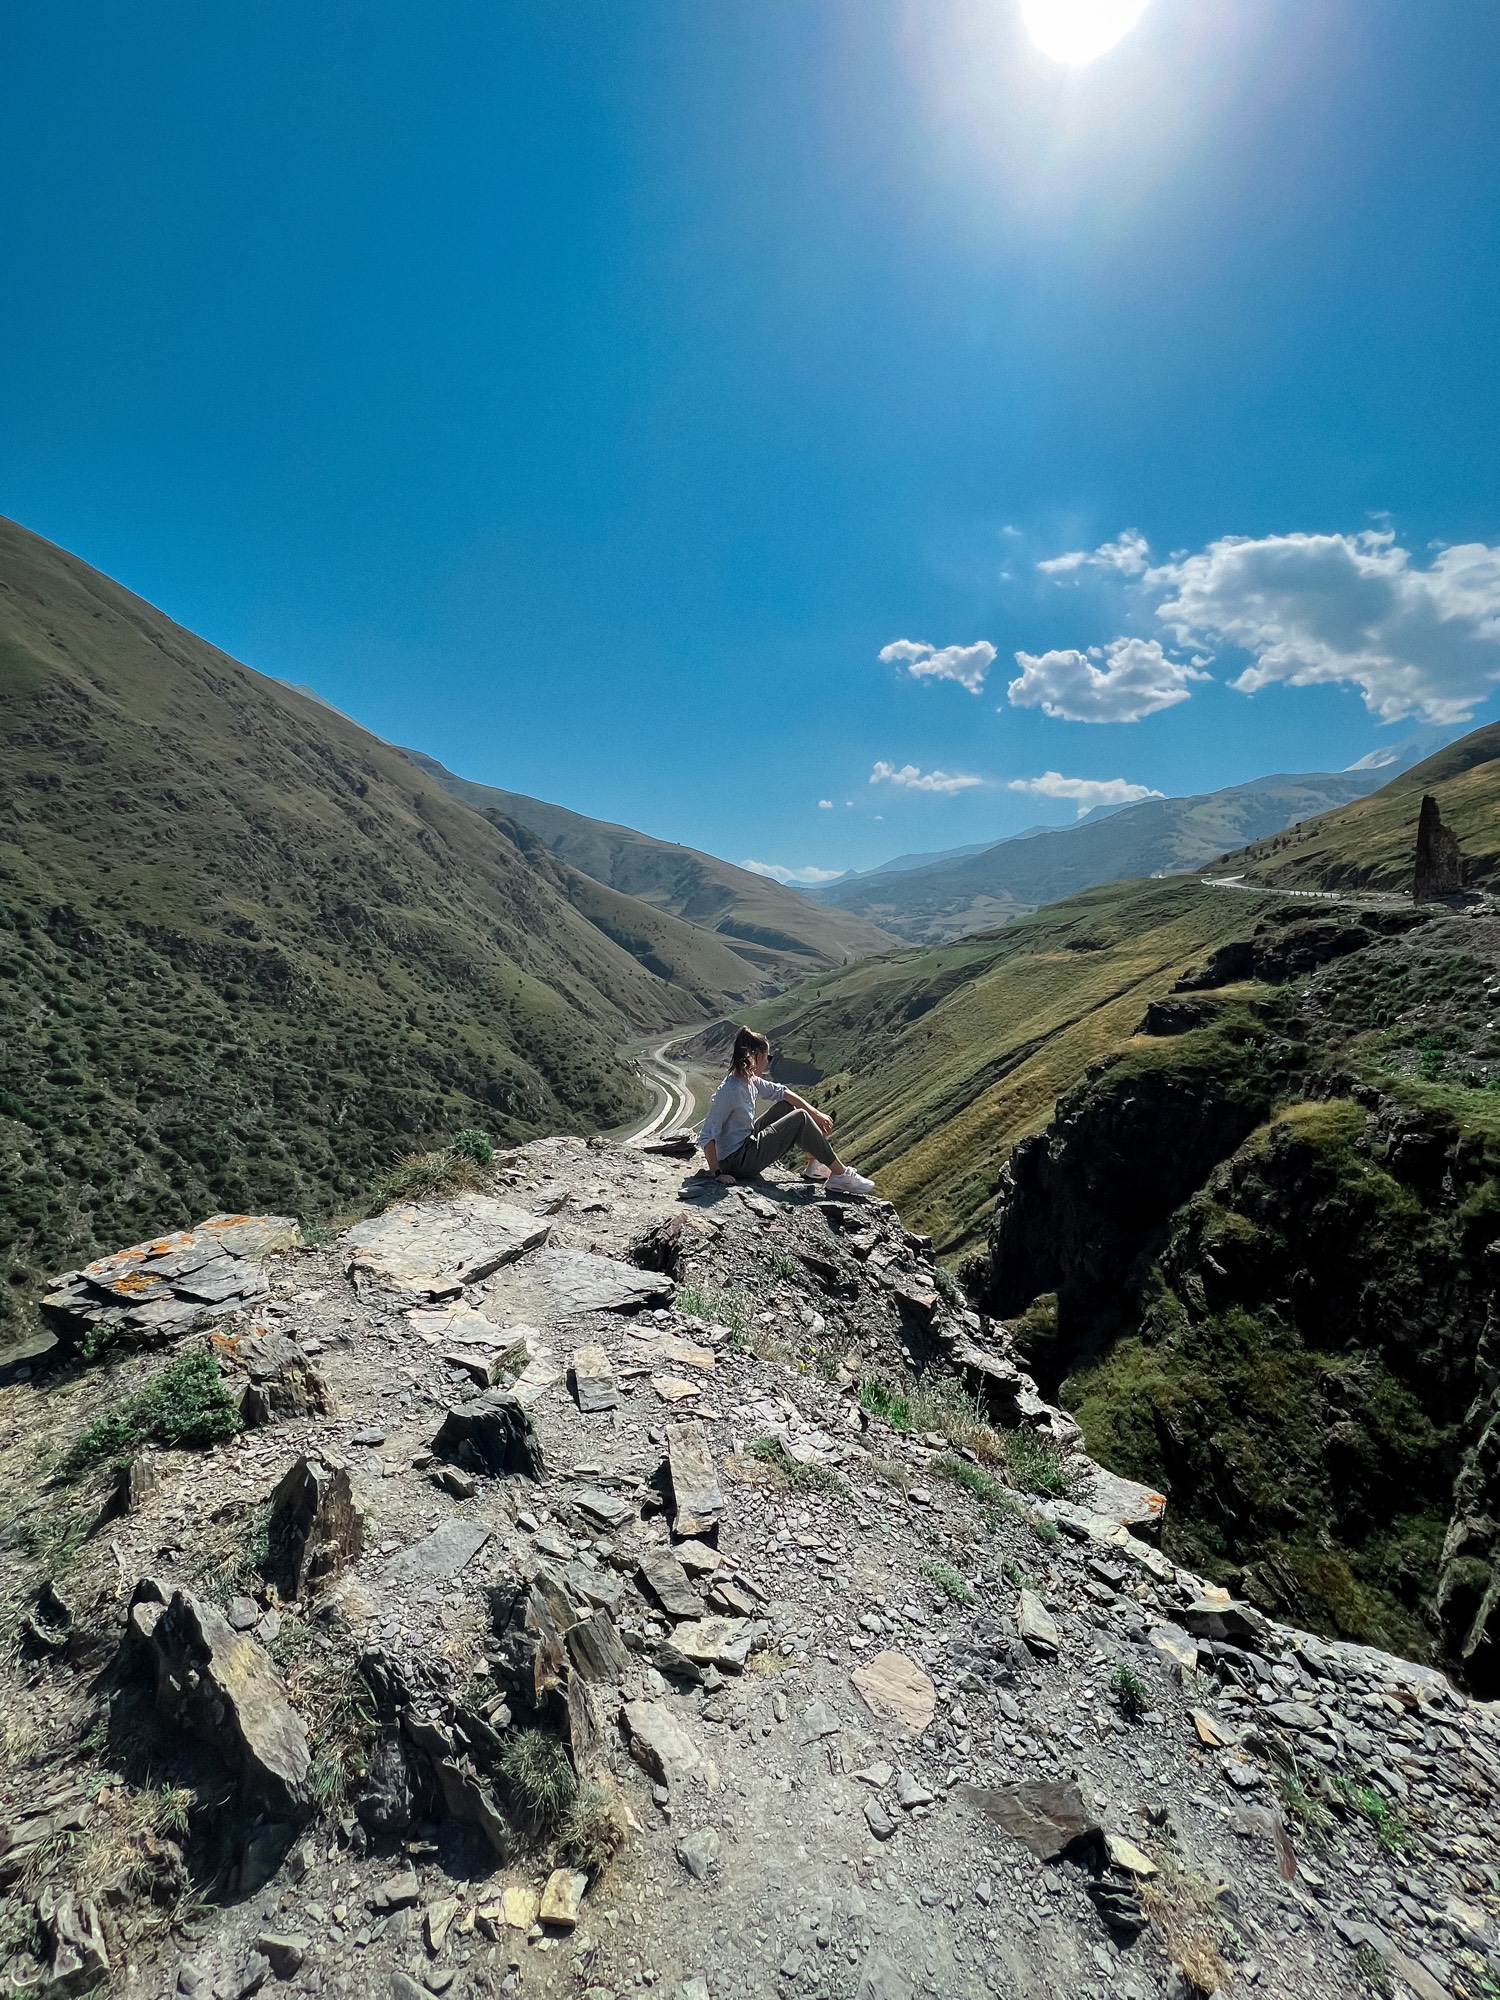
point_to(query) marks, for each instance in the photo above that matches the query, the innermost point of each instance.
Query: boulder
(220, 1685)
(895, 1688)
(594, 1380)
(276, 1380)
(77, 1959)
(314, 1528)
(663, 1246)
(1035, 1623)
(665, 1580)
(1137, 1507)
(433, 1251)
(494, 1435)
(171, 1285)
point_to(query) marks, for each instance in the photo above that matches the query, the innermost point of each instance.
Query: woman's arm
(820, 1118)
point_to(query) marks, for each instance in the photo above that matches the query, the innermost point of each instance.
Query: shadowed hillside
(776, 931)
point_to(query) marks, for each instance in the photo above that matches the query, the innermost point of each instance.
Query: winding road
(674, 1094)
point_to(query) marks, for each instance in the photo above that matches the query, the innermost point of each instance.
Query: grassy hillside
(778, 933)
(977, 891)
(938, 1061)
(1371, 844)
(249, 953)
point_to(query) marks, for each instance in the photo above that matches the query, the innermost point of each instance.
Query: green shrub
(948, 1581)
(472, 1144)
(185, 1405)
(971, 1478)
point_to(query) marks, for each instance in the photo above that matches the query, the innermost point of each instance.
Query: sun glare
(1075, 31)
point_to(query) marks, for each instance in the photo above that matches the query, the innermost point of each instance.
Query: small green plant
(1374, 1971)
(185, 1405)
(948, 1581)
(1132, 1696)
(878, 1400)
(318, 1233)
(1047, 1532)
(472, 1144)
(1015, 1576)
(784, 1267)
(1309, 1812)
(971, 1478)
(950, 1291)
(801, 1478)
(593, 1830)
(1036, 1466)
(540, 1779)
(731, 1309)
(1432, 1060)
(1384, 1821)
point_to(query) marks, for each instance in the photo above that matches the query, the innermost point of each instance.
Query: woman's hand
(823, 1122)
(725, 1180)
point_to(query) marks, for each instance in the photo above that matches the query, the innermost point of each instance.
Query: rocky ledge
(614, 1583)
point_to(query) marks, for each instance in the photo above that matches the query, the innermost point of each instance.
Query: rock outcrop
(1438, 869)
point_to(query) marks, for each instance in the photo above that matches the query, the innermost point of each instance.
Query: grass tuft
(540, 1779)
(593, 1830)
(1036, 1465)
(420, 1176)
(801, 1478)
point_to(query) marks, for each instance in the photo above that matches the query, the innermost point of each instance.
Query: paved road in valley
(674, 1094)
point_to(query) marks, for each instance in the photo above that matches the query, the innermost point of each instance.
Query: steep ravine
(1255, 1255)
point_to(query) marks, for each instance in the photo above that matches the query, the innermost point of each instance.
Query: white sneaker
(816, 1171)
(849, 1182)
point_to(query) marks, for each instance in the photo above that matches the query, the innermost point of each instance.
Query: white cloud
(1086, 792)
(1130, 554)
(967, 665)
(1136, 679)
(793, 875)
(1352, 609)
(825, 805)
(910, 779)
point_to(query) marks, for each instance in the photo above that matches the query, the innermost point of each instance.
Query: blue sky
(589, 394)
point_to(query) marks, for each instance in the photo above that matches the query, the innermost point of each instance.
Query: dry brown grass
(1185, 1909)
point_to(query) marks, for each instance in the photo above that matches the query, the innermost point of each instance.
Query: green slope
(937, 1061)
(1371, 844)
(249, 953)
(776, 931)
(976, 891)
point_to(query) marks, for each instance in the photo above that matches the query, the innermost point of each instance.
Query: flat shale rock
(582, 1282)
(594, 1381)
(696, 1495)
(440, 1555)
(1124, 1500)
(715, 1642)
(220, 1686)
(895, 1688)
(170, 1285)
(659, 1743)
(1046, 1816)
(434, 1251)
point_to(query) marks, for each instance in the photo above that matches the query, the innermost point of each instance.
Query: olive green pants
(782, 1128)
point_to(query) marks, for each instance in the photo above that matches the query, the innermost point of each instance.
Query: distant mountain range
(971, 890)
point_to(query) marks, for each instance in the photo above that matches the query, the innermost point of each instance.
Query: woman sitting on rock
(737, 1144)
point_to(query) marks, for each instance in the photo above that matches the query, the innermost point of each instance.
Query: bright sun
(1075, 31)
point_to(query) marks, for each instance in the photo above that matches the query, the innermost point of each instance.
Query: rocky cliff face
(603, 1580)
(1272, 1236)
